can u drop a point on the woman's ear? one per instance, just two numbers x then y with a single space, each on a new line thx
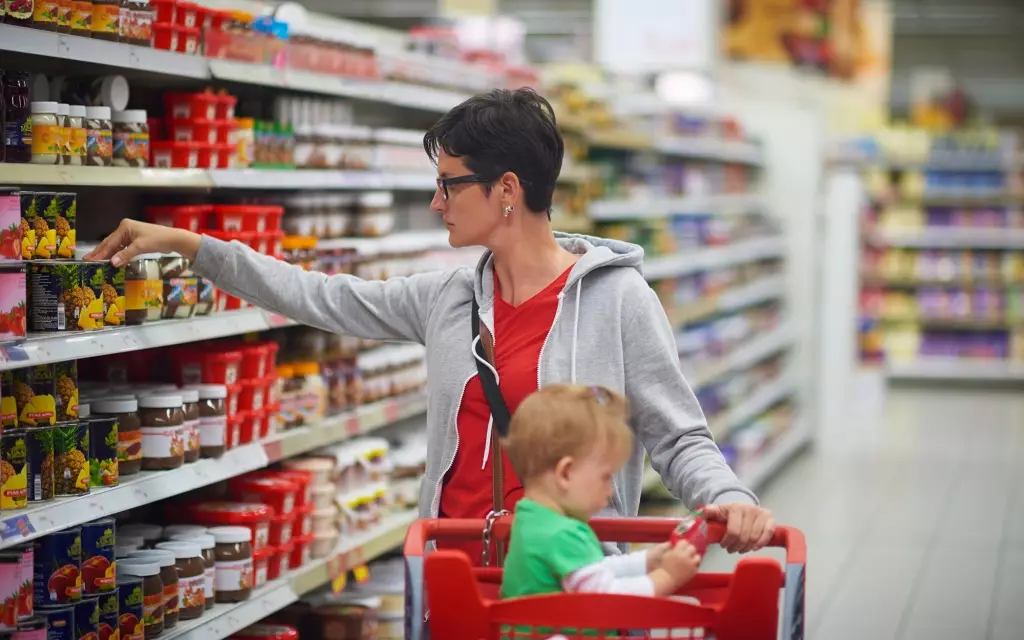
510 187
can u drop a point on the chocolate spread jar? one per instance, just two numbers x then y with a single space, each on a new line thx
213 421
233 556
163 420
190 407
169 578
152 592
188 561
206 543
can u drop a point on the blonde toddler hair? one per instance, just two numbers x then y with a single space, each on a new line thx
562 420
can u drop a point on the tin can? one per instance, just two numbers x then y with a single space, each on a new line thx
58 567
107 628
113 295
42 241
26 604
65 387
130 608
60 621
94 279
64 222
103 435
13 470
40 463
35 395
13 297
32 629
8 403
10 589
71 458
56 296
47 210
87 619
692 528
99 571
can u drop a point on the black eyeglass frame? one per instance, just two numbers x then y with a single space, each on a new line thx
469 178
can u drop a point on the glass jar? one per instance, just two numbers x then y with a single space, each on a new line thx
19 13
188 562
233 562
206 543
163 445
46 135
144 289
168 576
17 115
212 420
63 112
80 18
44 14
376 216
131 138
75 124
99 144
152 591
190 407
106 21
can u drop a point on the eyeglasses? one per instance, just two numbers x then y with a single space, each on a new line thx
471 178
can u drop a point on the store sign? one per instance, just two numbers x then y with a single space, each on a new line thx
648 36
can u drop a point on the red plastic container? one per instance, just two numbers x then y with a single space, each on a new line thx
188 40
227 127
193 129
174 155
227 150
226 107
215 20
256 517
281 528
267 631
270 355
226 301
253 396
231 403
190 106
259 242
303 480
300 554
237 217
166 11
209 155
261 565
165 36
191 217
222 367
272 490
254 359
274 241
274 215
234 431
303 526
157 131
279 563
187 14
254 425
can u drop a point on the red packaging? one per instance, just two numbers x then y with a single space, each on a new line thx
256 517
187 14
281 528
278 564
165 37
226 151
303 480
209 155
268 489
254 359
261 564
300 555
174 155
191 217
228 302
225 129
259 242
303 526
13 304
235 217
188 40
267 632
254 425
231 404
270 366
222 367
694 529
214 20
156 129
193 130
273 241
189 106
166 11
226 106
234 428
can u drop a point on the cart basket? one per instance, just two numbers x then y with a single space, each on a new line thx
743 605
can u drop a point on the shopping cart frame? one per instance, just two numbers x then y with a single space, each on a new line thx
791 578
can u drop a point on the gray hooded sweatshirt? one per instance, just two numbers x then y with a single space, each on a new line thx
609 329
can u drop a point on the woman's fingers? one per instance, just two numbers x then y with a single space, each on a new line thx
113 243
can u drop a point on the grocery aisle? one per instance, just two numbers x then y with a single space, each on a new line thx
914 518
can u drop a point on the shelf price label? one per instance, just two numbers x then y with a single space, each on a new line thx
337 569
361 572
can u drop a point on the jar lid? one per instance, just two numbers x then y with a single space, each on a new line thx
172 530
44 107
376 199
77 111
232 512
181 549
97 113
231 535
114 92
138 567
160 401
162 557
267 632
189 395
146 530
124 548
204 540
63 109
211 391
84 410
130 116
122 404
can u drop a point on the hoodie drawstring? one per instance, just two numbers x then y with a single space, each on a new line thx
575 331
490 418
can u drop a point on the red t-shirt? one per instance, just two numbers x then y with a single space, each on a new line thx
519 334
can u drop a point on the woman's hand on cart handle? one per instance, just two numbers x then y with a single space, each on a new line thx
132 238
748 527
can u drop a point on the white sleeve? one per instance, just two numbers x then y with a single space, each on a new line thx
627 565
600 577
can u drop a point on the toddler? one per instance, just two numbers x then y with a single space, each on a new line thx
565 443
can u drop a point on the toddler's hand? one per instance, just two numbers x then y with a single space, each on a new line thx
655 555
681 562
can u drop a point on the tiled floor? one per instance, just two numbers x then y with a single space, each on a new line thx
914 519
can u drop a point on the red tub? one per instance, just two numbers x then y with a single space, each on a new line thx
300 555
261 565
174 155
255 359
188 40
279 562
303 526
226 107
253 395
303 480
165 36
191 217
256 517
227 150
209 155
165 11
279 493
193 130
190 106
253 426
222 367
187 14
241 217
234 431
231 405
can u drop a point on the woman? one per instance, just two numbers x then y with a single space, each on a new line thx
552 308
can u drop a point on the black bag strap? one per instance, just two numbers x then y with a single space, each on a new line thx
499 410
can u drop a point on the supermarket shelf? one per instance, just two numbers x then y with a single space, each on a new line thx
953 283
934 368
743 357
962 199
57 347
34 174
352 551
110 54
35 521
735 151
320 179
690 261
639 208
957 324
761 290
952 238
745 411
775 457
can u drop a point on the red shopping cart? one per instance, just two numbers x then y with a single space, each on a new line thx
743 605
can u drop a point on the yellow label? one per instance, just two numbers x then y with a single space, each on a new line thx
14 493
47 139
141 295
106 18
77 140
80 18
46 11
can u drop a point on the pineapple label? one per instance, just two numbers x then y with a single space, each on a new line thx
8 405
94 280
114 295
40 463
34 391
66 296
71 459
13 470
66 387
48 225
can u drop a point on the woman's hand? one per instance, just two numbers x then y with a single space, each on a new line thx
133 237
747 527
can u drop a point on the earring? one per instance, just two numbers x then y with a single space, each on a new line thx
508 210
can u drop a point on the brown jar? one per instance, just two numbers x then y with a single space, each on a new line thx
234 568
168 576
212 420
206 543
190 407
188 561
152 591
129 431
163 421
106 19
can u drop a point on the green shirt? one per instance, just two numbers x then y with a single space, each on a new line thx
545 547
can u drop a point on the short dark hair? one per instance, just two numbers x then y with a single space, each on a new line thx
503 131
